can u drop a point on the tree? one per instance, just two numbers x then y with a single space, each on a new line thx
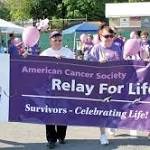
40 9
44 8
36 9
94 9
19 9
130 1
4 12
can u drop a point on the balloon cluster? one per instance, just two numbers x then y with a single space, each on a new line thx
132 47
31 34
43 25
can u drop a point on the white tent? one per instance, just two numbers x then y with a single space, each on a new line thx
9 27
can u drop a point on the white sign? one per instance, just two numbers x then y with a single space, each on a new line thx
146 22
124 22
4 86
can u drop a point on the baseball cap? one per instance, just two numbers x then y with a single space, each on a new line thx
55 33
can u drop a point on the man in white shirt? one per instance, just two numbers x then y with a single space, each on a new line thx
56 49
54 132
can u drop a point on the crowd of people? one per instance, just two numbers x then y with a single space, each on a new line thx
106 46
88 41
113 47
125 48
16 47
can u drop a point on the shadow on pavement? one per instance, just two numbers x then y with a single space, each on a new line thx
80 144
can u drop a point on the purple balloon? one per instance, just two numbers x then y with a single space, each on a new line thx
132 47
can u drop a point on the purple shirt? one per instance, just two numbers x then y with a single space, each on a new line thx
88 46
119 43
101 54
145 44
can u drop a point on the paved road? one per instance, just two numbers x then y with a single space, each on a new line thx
19 136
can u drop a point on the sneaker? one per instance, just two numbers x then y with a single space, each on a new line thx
133 132
104 139
112 131
62 141
51 145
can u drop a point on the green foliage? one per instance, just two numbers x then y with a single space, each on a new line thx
4 12
19 9
40 9
94 9
56 23
130 1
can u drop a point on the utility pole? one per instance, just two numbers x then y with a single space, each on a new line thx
63 14
86 18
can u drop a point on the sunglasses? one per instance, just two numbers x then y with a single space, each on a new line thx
108 36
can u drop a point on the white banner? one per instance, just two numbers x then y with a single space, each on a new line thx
4 86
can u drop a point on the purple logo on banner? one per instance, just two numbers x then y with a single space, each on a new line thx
47 90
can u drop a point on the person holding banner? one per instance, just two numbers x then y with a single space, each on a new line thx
145 44
56 132
13 47
135 35
11 38
103 52
134 50
88 45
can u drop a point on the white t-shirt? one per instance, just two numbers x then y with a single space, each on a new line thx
63 52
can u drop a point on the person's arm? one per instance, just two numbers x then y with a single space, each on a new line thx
94 55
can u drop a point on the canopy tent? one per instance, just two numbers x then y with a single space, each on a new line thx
6 28
9 27
82 28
